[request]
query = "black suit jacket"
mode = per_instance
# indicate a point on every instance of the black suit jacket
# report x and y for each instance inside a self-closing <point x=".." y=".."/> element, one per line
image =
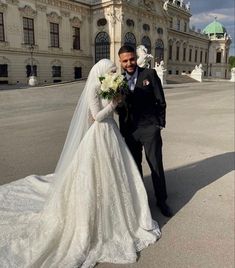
<point x="144" y="106"/>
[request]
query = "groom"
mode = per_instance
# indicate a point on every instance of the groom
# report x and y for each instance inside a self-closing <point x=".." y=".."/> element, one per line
<point x="141" y="119"/>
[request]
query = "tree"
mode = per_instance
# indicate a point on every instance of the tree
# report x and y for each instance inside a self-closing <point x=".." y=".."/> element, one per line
<point x="231" y="62"/>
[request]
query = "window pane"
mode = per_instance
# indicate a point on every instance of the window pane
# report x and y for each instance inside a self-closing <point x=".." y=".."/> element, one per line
<point x="76" y="38"/>
<point x="28" y="25"/>
<point x="102" y="46"/>
<point x="3" y="70"/>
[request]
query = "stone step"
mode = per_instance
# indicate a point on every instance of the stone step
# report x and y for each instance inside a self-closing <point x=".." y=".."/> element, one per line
<point x="179" y="79"/>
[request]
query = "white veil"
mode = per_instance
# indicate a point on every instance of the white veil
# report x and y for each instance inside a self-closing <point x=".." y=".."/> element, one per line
<point x="80" y="121"/>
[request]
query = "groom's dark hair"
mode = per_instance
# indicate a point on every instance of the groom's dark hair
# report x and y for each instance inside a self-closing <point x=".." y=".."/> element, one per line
<point x="126" y="49"/>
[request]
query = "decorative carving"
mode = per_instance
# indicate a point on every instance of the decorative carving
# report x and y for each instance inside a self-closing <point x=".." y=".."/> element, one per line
<point x="53" y="17"/>
<point x="3" y="7"/>
<point x="75" y="22"/>
<point x="115" y="16"/>
<point x="56" y="62"/>
<point x="27" y="11"/>
<point x="149" y="4"/>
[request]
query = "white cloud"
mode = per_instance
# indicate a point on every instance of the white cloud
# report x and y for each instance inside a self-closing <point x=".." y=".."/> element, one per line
<point x="225" y="16"/>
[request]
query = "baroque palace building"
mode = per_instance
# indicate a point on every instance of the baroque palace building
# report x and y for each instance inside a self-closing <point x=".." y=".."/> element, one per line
<point x="60" y="40"/>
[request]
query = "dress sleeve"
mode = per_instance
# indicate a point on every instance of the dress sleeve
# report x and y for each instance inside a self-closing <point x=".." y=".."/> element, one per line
<point x="98" y="113"/>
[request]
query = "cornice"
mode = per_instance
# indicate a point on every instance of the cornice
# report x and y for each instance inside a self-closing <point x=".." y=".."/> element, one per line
<point x="187" y="34"/>
<point x="66" y="5"/>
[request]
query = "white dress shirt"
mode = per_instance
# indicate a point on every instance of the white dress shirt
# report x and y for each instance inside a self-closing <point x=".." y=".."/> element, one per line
<point x="131" y="79"/>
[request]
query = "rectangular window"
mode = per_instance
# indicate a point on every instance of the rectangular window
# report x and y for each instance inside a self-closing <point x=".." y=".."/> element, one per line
<point x="56" y="71"/>
<point x="201" y="54"/>
<point x="77" y="72"/>
<point x="171" y="22"/>
<point x="3" y="70"/>
<point x="54" y="33"/>
<point x="2" y="34"/>
<point x="185" y="26"/>
<point x="195" y="59"/>
<point x="177" y="53"/>
<point x="76" y="38"/>
<point x="206" y="57"/>
<point x="190" y="55"/>
<point x="218" y="57"/>
<point x="184" y="54"/>
<point x="28" y="26"/>
<point x="170" y="52"/>
<point x="178" y="24"/>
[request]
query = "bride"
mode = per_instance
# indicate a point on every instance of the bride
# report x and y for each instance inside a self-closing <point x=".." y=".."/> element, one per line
<point x="92" y="209"/>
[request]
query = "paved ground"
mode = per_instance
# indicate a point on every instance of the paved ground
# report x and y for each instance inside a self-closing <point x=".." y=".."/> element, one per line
<point x="198" y="158"/>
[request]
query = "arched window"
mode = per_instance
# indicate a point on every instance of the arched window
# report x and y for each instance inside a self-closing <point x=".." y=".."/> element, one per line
<point x="159" y="51"/>
<point x="31" y="71"/>
<point x="147" y="43"/>
<point x="130" y="40"/>
<point x="102" y="46"/>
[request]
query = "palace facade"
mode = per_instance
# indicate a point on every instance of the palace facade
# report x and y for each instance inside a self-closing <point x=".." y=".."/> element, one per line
<point x="59" y="40"/>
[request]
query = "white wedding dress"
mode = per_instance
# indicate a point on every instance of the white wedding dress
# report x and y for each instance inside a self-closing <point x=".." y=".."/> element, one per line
<point x="98" y="212"/>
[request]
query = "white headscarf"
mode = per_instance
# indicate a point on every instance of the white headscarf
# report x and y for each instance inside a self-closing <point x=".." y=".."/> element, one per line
<point x="80" y="121"/>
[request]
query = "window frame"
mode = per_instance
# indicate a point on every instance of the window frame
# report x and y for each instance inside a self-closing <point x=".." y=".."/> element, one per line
<point x="29" y="35"/>
<point x="55" y="34"/>
<point x="2" y="31"/>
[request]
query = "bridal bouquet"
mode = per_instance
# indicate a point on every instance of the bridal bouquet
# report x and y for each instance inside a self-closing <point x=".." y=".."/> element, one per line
<point x="112" y="85"/>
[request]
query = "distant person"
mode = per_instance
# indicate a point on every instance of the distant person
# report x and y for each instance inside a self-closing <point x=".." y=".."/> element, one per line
<point x="141" y="118"/>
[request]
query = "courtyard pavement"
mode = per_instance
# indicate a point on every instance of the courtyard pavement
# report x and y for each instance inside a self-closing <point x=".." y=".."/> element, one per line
<point x="198" y="160"/>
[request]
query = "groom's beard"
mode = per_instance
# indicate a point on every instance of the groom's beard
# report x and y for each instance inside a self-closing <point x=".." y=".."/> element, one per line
<point x="130" y="73"/>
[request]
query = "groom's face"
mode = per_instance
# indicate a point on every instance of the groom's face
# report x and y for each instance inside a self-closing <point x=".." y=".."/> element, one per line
<point x="128" y="62"/>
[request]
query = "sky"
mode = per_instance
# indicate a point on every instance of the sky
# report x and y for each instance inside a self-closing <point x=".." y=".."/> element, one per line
<point x="205" y="11"/>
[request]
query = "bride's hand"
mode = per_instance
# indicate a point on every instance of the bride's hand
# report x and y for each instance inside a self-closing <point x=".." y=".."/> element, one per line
<point x="117" y="100"/>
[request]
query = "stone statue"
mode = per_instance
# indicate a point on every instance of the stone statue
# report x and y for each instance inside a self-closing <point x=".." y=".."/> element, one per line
<point x="181" y="3"/>
<point x="165" y="5"/>
<point x="160" y="66"/>
<point x="161" y="71"/>
<point x="197" y="73"/>
<point x="143" y="56"/>
<point x="232" y="75"/>
<point x="188" y="6"/>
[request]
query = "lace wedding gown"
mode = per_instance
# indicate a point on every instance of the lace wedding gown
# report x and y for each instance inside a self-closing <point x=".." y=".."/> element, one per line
<point x="98" y="213"/>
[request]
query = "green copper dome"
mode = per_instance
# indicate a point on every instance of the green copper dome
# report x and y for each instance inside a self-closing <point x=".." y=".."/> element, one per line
<point x="215" y="28"/>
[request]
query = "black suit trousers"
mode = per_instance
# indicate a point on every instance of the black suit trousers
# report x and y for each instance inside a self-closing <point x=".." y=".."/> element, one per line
<point x="149" y="138"/>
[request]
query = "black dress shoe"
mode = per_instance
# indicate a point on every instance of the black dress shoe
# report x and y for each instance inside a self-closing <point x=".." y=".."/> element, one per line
<point x="165" y="210"/>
